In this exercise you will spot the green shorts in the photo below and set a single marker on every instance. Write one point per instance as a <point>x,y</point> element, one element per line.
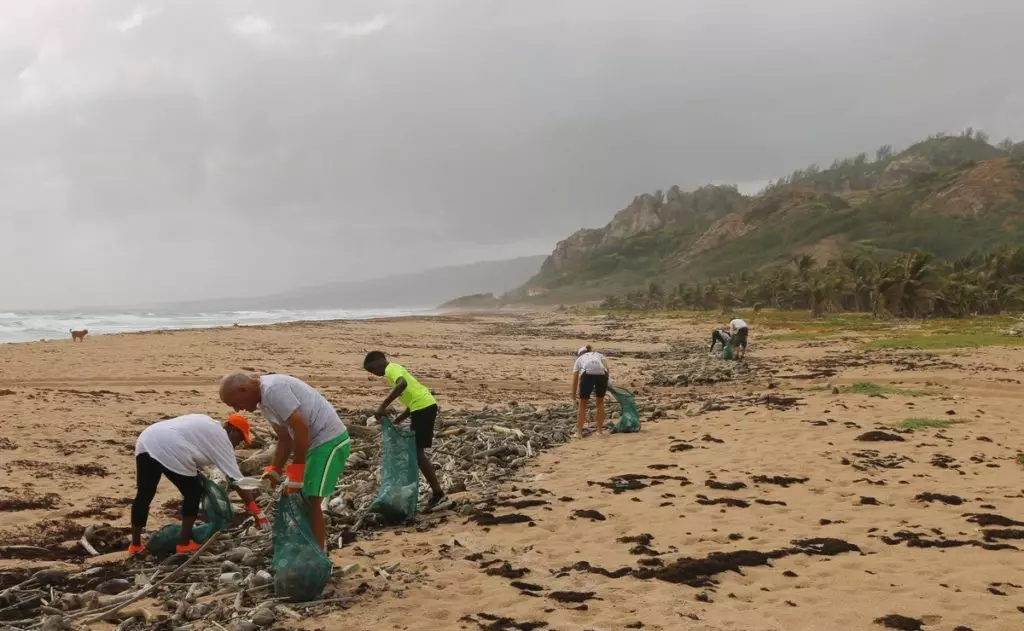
<point>324,466</point>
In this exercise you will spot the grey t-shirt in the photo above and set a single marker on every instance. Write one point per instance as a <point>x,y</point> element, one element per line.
<point>281,395</point>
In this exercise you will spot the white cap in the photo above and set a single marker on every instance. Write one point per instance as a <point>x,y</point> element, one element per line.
<point>583,349</point>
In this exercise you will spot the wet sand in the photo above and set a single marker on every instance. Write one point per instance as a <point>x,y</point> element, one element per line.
<point>767,502</point>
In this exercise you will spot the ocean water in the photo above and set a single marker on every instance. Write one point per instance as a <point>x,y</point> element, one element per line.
<point>28,326</point>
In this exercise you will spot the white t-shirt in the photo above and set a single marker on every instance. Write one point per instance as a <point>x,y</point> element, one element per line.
<point>281,395</point>
<point>187,443</point>
<point>736,325</point>
<point>590,363</point>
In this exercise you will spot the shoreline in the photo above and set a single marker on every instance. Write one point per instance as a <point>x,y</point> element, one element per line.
<point>410,314</point>
<point>113,323</point>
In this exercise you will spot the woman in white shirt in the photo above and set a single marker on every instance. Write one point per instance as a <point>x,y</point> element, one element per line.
<point>589,376</point>
<point>177,448</point>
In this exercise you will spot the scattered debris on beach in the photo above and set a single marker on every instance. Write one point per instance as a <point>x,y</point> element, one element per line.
<point>228,583</point>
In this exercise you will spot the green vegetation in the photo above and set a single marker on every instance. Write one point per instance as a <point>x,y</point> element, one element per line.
<point>1020,458</point>
<point>911,285</point>
<point>796,336</point>
<point>943,341</point>
<point>933,231</point>
<point>926,423</point>
<point>874,389</point>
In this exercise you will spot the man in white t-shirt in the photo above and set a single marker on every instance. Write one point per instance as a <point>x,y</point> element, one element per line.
<point>308,431</point>
<point>589,376</point>
<point>178,448</point>
<point>740,331</point>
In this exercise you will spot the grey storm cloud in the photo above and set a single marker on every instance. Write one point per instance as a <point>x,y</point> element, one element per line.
<point>192,149</point>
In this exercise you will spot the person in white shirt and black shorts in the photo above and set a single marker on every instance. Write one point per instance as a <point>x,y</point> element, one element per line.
<point>589,377</point>
<point>740,331</point>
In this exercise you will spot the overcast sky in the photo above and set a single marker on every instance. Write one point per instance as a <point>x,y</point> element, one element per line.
<point>200,148</point>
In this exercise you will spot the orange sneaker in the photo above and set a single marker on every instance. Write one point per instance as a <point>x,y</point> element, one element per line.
<point>191,547</point>
<point>133,550</point>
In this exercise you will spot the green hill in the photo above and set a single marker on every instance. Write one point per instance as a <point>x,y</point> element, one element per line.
<point>949,195</point>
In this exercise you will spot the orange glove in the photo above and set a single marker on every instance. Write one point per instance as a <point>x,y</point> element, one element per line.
<point>295,473</point>
<point>272,473</point>
<point>261,520</point>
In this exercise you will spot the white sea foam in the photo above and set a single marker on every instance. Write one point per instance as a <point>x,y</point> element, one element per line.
<point>32,326</point>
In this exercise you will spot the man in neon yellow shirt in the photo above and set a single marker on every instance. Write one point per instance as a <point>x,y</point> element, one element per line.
<point>420,407</point>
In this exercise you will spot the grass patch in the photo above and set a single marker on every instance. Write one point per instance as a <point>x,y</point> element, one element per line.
<point>874,389</point>
<point>925,423</point>
<point>796,336</point>
<point>871,389</point>
<point>1020,459</point>
<point>944,341</point>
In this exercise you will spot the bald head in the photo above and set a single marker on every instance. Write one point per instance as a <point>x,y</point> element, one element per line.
<point>240,391</point>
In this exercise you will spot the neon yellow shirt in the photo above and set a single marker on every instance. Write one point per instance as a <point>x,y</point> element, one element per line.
<point>416,396</point>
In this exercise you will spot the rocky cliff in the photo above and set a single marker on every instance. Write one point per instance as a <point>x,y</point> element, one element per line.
<point>949,194</point>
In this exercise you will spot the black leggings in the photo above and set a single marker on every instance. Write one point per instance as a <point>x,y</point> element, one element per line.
<point>147,476</point>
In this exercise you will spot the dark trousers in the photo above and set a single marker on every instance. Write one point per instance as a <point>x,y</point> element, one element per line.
<point>147,477</point>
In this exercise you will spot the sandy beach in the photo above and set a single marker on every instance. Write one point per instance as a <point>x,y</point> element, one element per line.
<point>834,506</point>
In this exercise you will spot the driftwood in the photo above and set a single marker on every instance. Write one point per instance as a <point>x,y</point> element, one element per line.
<point>229,581</point>
<point>145,591</point>
<point>253,465</point>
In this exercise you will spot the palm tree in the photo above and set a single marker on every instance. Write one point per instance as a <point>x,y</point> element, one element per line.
<point>804,264</point>
<point>909,284</point>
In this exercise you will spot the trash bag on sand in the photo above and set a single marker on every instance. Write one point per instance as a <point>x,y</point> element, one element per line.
<point>399,475</point>
<point>301,569</point>
<point>629,420</point>
<point>215,507</point>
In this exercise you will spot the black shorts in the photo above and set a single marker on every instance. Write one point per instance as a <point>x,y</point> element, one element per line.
<point>423,424</point>
<point>593,383</point>
<point>741,337</point>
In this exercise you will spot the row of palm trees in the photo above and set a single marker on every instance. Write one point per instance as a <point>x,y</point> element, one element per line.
<point>910,285</point>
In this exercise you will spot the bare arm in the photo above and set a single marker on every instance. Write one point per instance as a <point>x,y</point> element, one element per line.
<point>404,415</point>
<point>283,450</point>
<point>300,430</point>
<point>400,386</point>
<point>575,384</point>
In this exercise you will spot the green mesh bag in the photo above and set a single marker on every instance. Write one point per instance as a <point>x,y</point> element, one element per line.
<point>629,420</point>
<point>301,569</point>
<point>399,475</point>
<point>215,508</point>
<point>727,350</point>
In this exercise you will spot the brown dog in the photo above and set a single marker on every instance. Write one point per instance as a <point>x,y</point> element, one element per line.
<point>79,336</point>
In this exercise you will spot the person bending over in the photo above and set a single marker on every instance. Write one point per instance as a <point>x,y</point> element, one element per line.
<point>589,376</point>
<point>308,431</point>
<point>177,448</point>
<point>420,407</point>
<point>740,331</point>
<point>719,337</point>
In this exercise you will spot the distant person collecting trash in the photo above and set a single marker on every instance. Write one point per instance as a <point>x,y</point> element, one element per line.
<point>177,448</point>
<point>589,376</point>
<point>308,431</point>
<point>739,330</point>
<point>421,408</point>
<point>719,337</point>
